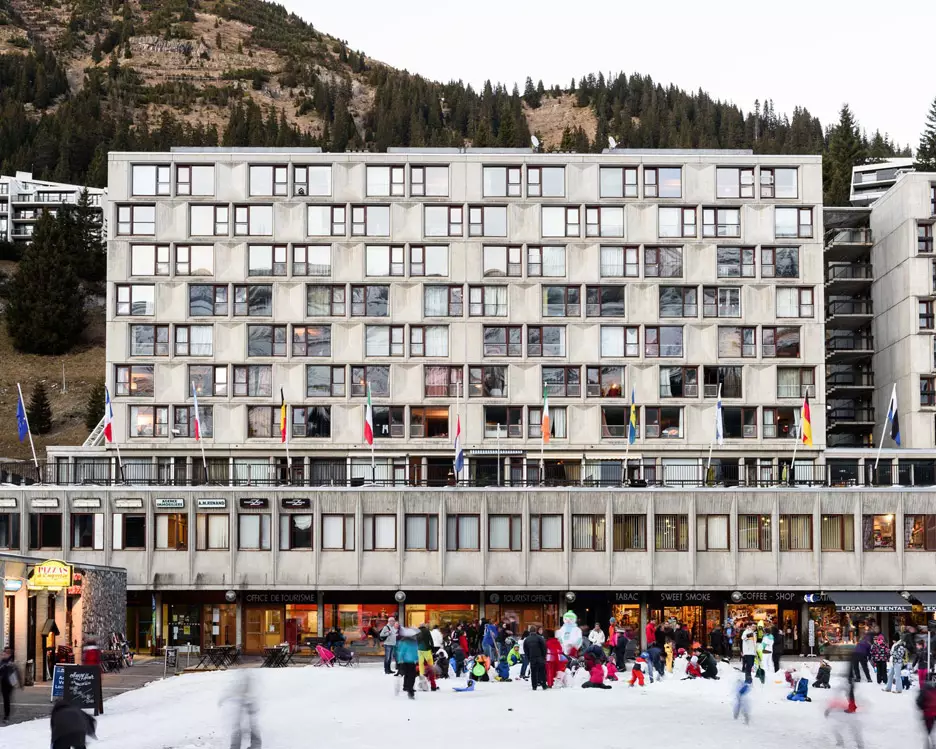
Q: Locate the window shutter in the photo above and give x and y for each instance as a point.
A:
(118, 531)
(284, 532)
(98, 531)
(201, 531)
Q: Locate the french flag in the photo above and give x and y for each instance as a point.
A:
(108, 417)
(459, 453)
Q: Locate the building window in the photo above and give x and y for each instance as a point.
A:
(617, 182)
(487, 382)
(933, 200)
(604, 382)
(781, 423)
(548, 262)
(149, 421)
(795, 382)
(129, 531)
(255, 381)
(919, 532)
(679, 301)
(546, 340)
(443, 381)
(310, 340)
(136, 219)
(431, 422)
(924, 238)
(263, 421)
(502, 261)
(255, 300)
(796, 533)
(604, 301)
(149, 340)
(195, 180)
(311, 260)
(443, 301)
(134, 380)
(663, 262)
(429, 340)
(629, 533)
(209, 220)
(208, 300)
(735, 262)
(209, 380)
(620, 262)
(338, 532)
(561, 221)
(727, 378)
(731, 182)
(195, 260)
(588, 533)
(562, 382)
(837, 532)
(677, 222)
(370, 301)
(780, 262)
(712, 533)
(615, 421)
(604, 221)
(266, 181)
(562, 301)
(253, 531)
(172, 531)
(723, 301)
(545, 532)
(545, 181)
(665, 422)
(266, 260)
(503, 340)
(926, 314)
(662, 182)
(389, 422)
(620, 340)
(927, 391)
(721, 222)
(422, 532)
(429, 181)
(501, 182)
(83, 532)
(183, 424)
(327, 220)
(268, 340)
(793, 222)
(383, 340)
(295, 532)
(753, 532)
(443, 221)
(671, 532)
(794, 302)
(780, 342)
(312, 180)
(739, 423)
(45, 530)
(503, 421)
(679, 382)
(778, 183)
(665, 341)
(462, 532)
(325, 301)
(370, 221)
(431, 260)
(385, 181)
(313, 421)
(150, 179)
(379, 530)
(325, 381)
(505, 533)
(878, 532)
(487, 301)
(149, 260)
(378, 377)
(558, 423)
(487, 221)
(737, 343)
(194, 340)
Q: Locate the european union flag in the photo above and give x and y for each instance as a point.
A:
(21, 424)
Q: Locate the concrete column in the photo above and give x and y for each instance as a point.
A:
(157, 619)
(482, 614)
(61, 610)
(239, 624)
(320, 606)
(644, 618)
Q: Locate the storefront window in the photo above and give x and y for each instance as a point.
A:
(219, 624)
(834, 628)
(443, 614)
(301, 622)
(264, 628)
(627, 616)
(358, 620)
(183, 623)
(528, 615)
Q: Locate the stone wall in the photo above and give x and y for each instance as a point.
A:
(103, 604)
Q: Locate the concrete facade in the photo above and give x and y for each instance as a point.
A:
(23, 199)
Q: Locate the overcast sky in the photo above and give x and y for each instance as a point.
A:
(877, 56)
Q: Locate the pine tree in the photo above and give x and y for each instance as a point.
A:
(926, 153)
(45, 305)
(39, 410)
(845, 152)
(94, 410)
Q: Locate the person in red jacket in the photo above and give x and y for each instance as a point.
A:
(650, 632)
(554, 662)
(463, 641)
(91, 653)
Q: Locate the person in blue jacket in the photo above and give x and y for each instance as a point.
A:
(407, 656)
(502, 670)
(489, 641)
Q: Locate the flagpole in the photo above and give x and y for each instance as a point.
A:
(542, 463)
(884, 428)
(799, 438)
(28, 430)
(458, 396)
(373, 462)
(712, 443)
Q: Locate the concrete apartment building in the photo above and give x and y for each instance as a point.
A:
(24, 199)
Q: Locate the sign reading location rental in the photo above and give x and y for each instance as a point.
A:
(51, 574)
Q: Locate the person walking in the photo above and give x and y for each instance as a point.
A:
(534, 650)
(748, 651)
(777, 648)
(70, 725)
(767, 646)
(926, 701)
(879, 655)
(524, 660)
(612, 636)
(897, 653)
(242, 711)
(683, 638)
(9, 680)
(489, 640)
(424, 655)
(717, 640)
(860, 656)
(407, 655)
(620, 650)
(388, 636)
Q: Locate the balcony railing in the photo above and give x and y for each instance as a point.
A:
(850, 343)
(850, 307)
(849, 414)
(848, 236)
(850, 379)
(853, 271)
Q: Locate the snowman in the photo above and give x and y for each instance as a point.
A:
(570, 635)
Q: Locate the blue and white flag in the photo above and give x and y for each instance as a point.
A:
(891, 417)
(719, 422)
(459, 453)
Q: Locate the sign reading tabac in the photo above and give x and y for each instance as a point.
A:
(51, 574)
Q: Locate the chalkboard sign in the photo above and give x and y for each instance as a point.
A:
(58, 681)
(172, 655)
(83, 687)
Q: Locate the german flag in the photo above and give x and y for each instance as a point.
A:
(282, 416)
(806, 423)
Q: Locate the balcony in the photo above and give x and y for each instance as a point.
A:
(857, 418)
(847, 244)
(847, 348)
(845, 280)
(848, 314)
(841, 384)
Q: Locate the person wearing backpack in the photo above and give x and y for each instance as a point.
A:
(9, 680)
(388, 636)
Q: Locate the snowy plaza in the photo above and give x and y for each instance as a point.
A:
(335, 707)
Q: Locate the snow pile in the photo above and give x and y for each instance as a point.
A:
(359, 708)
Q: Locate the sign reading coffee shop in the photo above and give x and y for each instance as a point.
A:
(765, 596)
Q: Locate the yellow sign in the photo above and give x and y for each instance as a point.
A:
(50, 574)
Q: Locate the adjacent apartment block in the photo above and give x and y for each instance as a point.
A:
(24, 199)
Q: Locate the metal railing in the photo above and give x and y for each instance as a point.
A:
(850, 307)
(850, 343)
(848, 236)
(850, 379)
(852, 271)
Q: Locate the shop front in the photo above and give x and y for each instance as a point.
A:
(700, 611)
(841, 618)
(360, 615)
(197, 619)
(528, 609)
(271, 618)
(141, 615)
(445, 608)
(597, 607)
(772, 608)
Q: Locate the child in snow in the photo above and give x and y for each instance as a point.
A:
(692, 669)
(596, 678)
(514, 657)
(554, 662)
(442, 661)
(742, 701)
(680, 663)
(479, 671)
(637, 670)
(612, 671)
(823, 675)
(800, 692)
(668, 648)
(502, 671)
(879, 656)
(458, 659)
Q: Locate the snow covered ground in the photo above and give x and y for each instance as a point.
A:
(358, 708)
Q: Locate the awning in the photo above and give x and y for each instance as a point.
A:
(872, 601)
(927, 598)
(496, 452)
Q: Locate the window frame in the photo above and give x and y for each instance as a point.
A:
(347, 538)
(763, 532)
(598, 540)
(431, 531)
(371, 519)
(785, 533)
(680, 533)
(846, 539)
(537, 518)
(457, 544)
(703, 544)
(514, 523)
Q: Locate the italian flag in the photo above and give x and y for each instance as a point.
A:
(369, 420)
(545, 422)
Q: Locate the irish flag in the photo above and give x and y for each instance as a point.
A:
(545, 422)
(369, 420)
